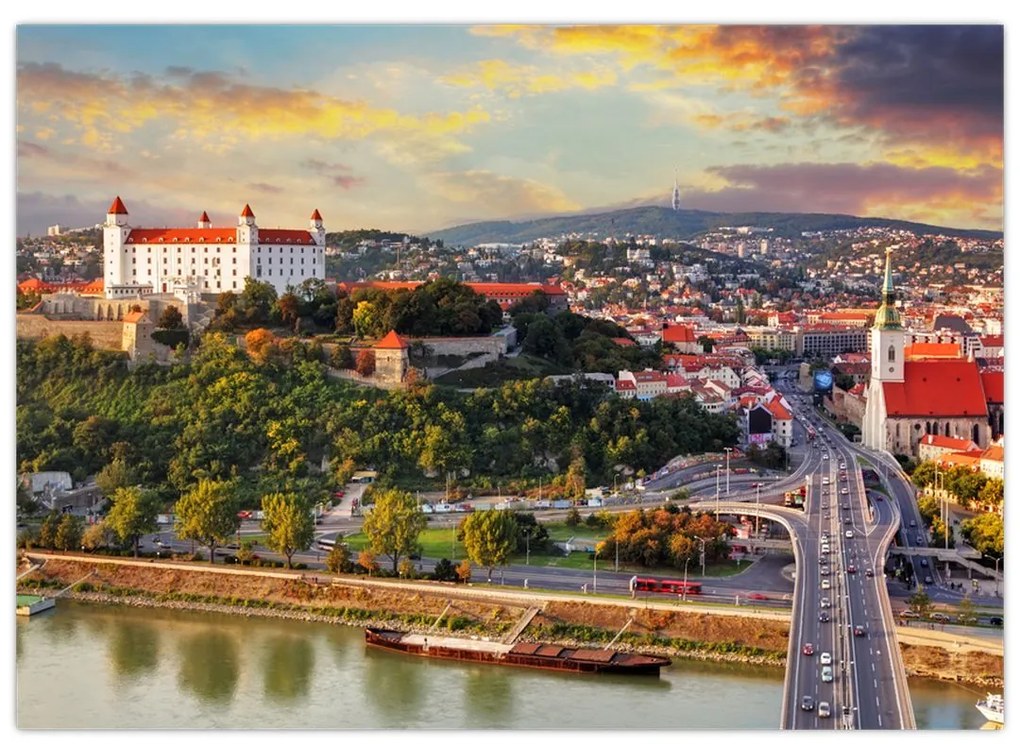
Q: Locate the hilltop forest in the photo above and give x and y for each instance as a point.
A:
(270, 421)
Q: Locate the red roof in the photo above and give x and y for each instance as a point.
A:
(993, 453)
(117, 207)
(993, 383)
(992, 341)
(936, 387)
(134, 316)
(391, 341)
(625, 385)
(678, 334)
(246, 212)
(959, 458)
(676, 381)
(950, 443)
(214, 235)
(921, 350)
(623, 342)
(316, 215)
(778, 410)
(204, 218)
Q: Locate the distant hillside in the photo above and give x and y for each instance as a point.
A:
(683, 225)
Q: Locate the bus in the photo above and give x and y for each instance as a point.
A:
(667, 586)
(325, 544)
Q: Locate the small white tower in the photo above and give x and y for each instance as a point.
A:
(247, 230)
(316, 228)
(115, 235)
(204, 222)
(676, 195)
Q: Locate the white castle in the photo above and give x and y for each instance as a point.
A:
(190, 261)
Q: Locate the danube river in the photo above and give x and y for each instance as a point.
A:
(84, 666)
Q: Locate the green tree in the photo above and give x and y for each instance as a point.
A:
(573, 517)
(444, 571)
(341, 357)
(208, 514)
(171, 318)
(365, 319)
(490, 538)
(133, 514)
(394, 525)
(992, 493)
(68, 533)
(338, 560)
(98, 535)
(115, 475)
(986, 533)
(920, 602)
(48, 530)
(577, 475)
(288, 523)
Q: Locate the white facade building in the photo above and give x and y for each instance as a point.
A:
(205, 259)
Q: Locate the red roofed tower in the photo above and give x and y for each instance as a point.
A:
(391, 360)
(204, 221)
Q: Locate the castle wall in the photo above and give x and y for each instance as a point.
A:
(105, 334)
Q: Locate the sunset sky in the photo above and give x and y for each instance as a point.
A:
(412, 127)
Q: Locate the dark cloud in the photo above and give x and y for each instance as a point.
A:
(879, 189)
(31, 149)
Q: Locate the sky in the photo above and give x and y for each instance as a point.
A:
(417, 127)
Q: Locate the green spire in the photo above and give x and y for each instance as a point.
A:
(887, 317)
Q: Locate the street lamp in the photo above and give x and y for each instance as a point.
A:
(686, 561)
(717, 469)
(615, 476)
(728, 450)
(594, 570)
(703, 542)
(757, 509)
(996, 571)
(527, 547)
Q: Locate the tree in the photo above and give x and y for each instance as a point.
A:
(261, 344)
(341, 357)
(338, 560)
(365, 319)
(965, 612)
(98, 535)
(986, 533)
(133, 514)
(366, 362)
(992, 493)
(490, 538)
(444, 571)
(464, 571)
(406, 568)
(573, 517)
(394, 525)
(366, 559)
(920, 602)
(68, 533)
(706, 344)
(48, 529)
(288, 305)
(208, 514)
(288, 523)
(170, 319)
(115, 475)
(576, 477)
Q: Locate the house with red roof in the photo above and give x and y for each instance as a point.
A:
(992, 461)
(933, 446)
(681, 338)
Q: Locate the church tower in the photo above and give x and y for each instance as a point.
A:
(887, 342)
(676, 195)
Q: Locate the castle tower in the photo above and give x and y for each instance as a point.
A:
(115, 235)
(887, 344)
(391, 360)
(247, 230)
(676, 195)
(204, 222)
(316, 229)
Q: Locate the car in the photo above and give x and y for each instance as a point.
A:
(825, 658)
(824, 602)
(849, 533)
(809, 649)
(847, 520)
(807, 703)
(869, 572)
(908, 614)
(825, 571)
(878, 496)
(825, 548)
(846, 504)
(859, 630)
(924, 562)
(928, 579)
(941, 617)
(821, 560)
(995, 621)
(824, 711)
(825, 584)
(851, 568)
(913, 523)
(844, 491)
(823, 617)
(756, 595)
(826, 674)
(919, 540)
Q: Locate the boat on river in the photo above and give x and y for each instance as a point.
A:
(525, 654)
(992, 708)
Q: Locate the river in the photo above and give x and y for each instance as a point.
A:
(86, 666)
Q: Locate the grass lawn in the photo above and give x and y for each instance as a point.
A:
(435, 543)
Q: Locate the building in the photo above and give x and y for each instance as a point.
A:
(908, 399)
(826, 341)
(681, 338)
(190, 261)
(391, 360)
(934, 446)
(647, 383)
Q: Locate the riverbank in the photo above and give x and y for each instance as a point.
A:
(709, 633)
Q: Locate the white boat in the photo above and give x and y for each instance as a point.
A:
(991, 708)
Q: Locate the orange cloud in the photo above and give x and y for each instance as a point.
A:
(519, 80)
(493, 194)
(211, 107)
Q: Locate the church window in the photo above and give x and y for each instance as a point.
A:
(892, 353)
(947, 428)
(976, 432)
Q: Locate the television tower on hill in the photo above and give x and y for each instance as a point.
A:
(676, 195)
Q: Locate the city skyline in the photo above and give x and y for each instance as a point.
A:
(422, 127)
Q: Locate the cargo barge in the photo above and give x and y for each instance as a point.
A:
(535, 655)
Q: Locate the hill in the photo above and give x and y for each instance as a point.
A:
(682, 225)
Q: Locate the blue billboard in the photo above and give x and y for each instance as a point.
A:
(823, 381)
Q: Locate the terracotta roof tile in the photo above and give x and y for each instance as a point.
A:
(117, 207)
(937, 387)
(391, 340)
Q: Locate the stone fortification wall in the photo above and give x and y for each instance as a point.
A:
(105, 334)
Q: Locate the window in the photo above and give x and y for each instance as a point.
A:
(892, 353)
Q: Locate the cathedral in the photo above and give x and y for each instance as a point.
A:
(912, 395)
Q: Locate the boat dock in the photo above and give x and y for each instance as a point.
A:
(463, 644)
(32, 604)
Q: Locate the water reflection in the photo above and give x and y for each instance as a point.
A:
(394, 684)
(209, 665)
(134, 647)
(488, 697)
(288, 665)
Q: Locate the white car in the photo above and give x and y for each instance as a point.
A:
(825, 602)
(824, 711)
(826, 674)
(825, 658)
(849, 533)
(825, 584)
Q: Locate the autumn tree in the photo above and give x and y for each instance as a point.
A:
(288, 523)
(394, 525)
(338, 560)
(261, 344)
(920, 602)
(98, 535)
(288, 305)
(365, 365)
(133, 514)
(490, 538)
(576, 477)
(464, 571)
(965, 612)
(341, 357)
(208, 514)
(366, 559)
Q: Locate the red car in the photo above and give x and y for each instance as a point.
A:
(809, 649)
(851, 568)
(858, 630)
